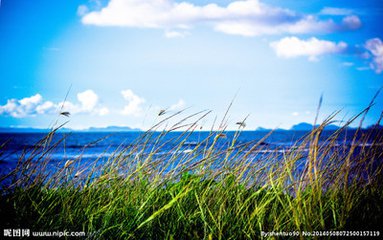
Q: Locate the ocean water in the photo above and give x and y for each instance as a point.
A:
(88, 147)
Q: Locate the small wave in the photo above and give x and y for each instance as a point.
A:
(75, 146)
(370, 145)
(282, 150)
(191, 143)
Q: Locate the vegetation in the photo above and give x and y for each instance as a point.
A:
(209, 192)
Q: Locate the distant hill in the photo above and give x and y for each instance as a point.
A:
(376, 127)
(261, 129)
(303, 126)
(112, 129)
(308, 127)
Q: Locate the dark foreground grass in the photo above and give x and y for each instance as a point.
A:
(208, 193)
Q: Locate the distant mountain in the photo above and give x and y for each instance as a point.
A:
(302, 127)
(331, 127)
(375, 127)
(261, 129)
(308, 127)
(91, 129)
(112, 129)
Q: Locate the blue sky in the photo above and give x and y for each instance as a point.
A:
(123, 60)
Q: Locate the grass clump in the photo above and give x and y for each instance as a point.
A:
(212, 191)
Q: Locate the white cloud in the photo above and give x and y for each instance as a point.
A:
(88, 103)
(290, 47)
(363, 68)
(348, 64)
(70, 107)
(241, 17)
(375, 47)
(176, 34)
(82, 10)
(35, 105)
(24, 107)
(88, 100)
(336, 11)
(47, 107)
(92, 4)
(311, 24)
(134, 103)
(178, 106)
(103, 111)
(295, 114)
(351, 22)
(30, 101)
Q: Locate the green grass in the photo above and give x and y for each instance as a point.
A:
(209, 197)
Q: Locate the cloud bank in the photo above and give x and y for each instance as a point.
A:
(336, 11)
(180, 105)
(26, 106)
(290, 47)
(375, 48)
(245, 17)
(88, 102)
(313, 48)
(134, 106)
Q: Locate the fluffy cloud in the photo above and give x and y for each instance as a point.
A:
(82, 10)
(290, 47)
(46, 107)
(178, 106)
(352, 22)
(375, 48)
(336, 11)
(348, 64)
(176, 34)
(133, 108)
(25, 106)
(292, 25)
(88, 100)
(35, 105)
(88, 103)
(241, 17)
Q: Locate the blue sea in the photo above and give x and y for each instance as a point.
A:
(88, 147)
